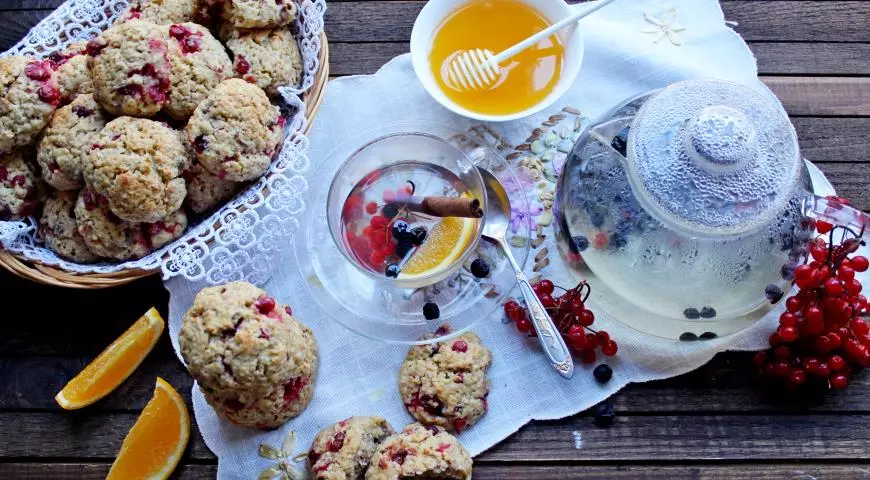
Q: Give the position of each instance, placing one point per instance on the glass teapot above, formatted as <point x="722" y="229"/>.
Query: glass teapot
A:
<point x="689" y="208"/>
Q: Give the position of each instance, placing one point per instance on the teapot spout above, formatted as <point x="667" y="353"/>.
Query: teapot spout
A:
<point x="837" y="213"/>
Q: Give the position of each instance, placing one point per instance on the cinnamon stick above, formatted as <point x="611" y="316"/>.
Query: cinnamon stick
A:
<point x="446" y="206"/>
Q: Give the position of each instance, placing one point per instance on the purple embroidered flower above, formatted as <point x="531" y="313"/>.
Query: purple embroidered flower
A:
<point x="558" y="163"/>
<point x="523" y="215"/>
<point x="522" y="183"/>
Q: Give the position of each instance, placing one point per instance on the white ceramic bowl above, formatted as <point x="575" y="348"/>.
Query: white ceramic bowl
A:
<point x="434" y="13"/>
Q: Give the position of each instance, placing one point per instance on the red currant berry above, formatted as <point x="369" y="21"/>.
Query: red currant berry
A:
<point x="803" y="271"/>
<point x="835" y="340"/>
<point x="859" y="263"/>
<point x="793" y="304"/>
<point x="836" y="363"/>
<point x="822" y="344"/>
<point x="781" y="368"/>
<point x="788" y="319"/>
<point x="609" y="348"/>
<point x="371" y="208"/>
<point x="782" y="352"/>
<point x="819" y="250"/>
<point x="588" y="356"/>
<point x="797" y="377"/>
<point x="811" y="365"/>
<point x="511" y="305"/>
<point x="546" y="286"/>
<point x="603" y="336"/>
<point x="845" y="273"/>
<point x="546" y="300"/>
<point x="860" y="326"/>
<point x="586" y="318"/>
<point x="834" y="287"/>
<point x="839" y="381"/>
<point x="823" y="227"/>
<point x="788" y="334"/>
<point x="823" y="370"/>
<point x="524" y="325"/>
<point x="591" y="340"/>
<point x="759" y="359"/>
<point x="853" y="286"/>
<point x="774" y="339"/>
<point x="813" y="314"/>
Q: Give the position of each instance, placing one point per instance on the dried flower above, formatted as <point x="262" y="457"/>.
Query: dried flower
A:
<point x="519" y="215"/>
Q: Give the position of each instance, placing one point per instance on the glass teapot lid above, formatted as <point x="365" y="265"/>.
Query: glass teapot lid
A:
<point x="713" y="158"/>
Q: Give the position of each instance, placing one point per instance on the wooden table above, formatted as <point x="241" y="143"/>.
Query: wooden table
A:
<point x="711" y="423"/>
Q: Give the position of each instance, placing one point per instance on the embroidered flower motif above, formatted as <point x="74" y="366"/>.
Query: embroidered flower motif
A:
<point x="664" y="26"/>
<point x="227" y="266"/>
<point x="522" y="183"/>
<point x="237" y="227"/>
<point x="185" y="259"/>
<point x="286" y="193"/>
<point x="520" y="215"/>
<point x="277" y="233"/>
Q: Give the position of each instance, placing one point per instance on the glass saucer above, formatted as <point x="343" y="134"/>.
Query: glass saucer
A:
<point x="387" y="312"/>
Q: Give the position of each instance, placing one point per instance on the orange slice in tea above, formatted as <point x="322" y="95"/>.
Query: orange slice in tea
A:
<point x="447" y="241"/>
<point x="153" y="447"/>
<point x="114" y="365"/>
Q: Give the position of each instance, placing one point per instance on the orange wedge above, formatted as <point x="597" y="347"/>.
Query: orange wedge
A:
<point x="114" y="365"/>
<point x="153" y="447"/>
<point x="444" y="244"/>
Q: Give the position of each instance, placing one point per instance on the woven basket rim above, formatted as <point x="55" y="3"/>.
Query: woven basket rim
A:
<point x="52" y="275"/>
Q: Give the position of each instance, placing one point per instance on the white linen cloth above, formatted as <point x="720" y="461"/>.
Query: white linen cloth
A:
<point x="631" y="47"/>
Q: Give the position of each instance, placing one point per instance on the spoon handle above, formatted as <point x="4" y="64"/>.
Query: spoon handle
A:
<point x="551" y="341"/>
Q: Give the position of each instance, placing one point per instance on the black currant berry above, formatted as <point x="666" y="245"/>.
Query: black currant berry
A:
<point x="708" y="312"/>
<point x="417" y="236"/>
<point x="400" y="230"/>
<point x="479" y="268"/>
<point x="604" y="415"/>
<point x="691" y="313"/>
<point x="392" y="270"/>
<point x="402" y="249"/>
<point x="431" y="311"/>
<point x="602" y="373"/>
<point x="390" y="210"/>
<point x="688" y="337"/>
<point x="773" y="293"/>
<point x="581" y="242"/>
<point x="708" y="336"/>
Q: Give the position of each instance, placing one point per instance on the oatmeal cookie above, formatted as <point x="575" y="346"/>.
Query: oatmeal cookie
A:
<point x="205" y="190"/>
<point x="259" y="13"/>
<point x="108" y="236"/>
<point x="420" y="452"/>
<point x="235" y="132"/>
<point x="198" y="63"/>
<point x="57" y="228"/>
<point x="19" y="187"/>
<point x="342" y="451"/>
<point x="268" y="58"/>
<point x="129" y="66"/>
<point x="136" y="163"/>
<point x="161" y="12"/>
<point x="71" y="71"/>
<point x="253" y="361"/>
<point x="67" y="142"/>
<point x="28" y="97"/>
<point x="445" y="383"/>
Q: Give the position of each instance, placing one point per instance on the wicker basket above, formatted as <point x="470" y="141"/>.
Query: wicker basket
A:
<point x="50" y="275"/>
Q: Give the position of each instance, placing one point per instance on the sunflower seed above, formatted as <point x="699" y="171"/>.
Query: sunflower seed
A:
<point x="541" y="254"/>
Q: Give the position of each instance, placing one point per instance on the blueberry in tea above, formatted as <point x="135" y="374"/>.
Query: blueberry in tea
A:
<point x="390" y="210"/>
<point x="417" y="236"/>
<point x="479" y="268"/>
<point x="402" y="249"/>
<point x="392" y="270"/>
<point x="431" y="311"/>
<point x="400" y="230"/>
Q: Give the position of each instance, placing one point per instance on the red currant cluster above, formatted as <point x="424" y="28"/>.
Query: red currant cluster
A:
<point x="377" y="243"/>
<point x="571" y="317"/>
<point x="821" y="335"/>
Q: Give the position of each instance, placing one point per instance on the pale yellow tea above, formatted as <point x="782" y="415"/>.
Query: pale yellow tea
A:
<point x="525" y="80"/>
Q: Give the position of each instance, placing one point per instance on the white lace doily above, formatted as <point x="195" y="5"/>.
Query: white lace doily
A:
<point x="238" y="240"/>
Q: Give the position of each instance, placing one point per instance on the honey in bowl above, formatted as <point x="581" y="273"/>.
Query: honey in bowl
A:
<point x="525" y="80"/>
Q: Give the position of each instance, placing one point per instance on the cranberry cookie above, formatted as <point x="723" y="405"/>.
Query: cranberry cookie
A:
<point x="67" y="142"/>
<point x="198" y="63"/>
<point x="129" y="66"/>
<point x="445" y="383"/>
<point x="255" y="364"/>
<point x="19" y="189"/>
<point x="108" y="236"/>
<point x="58" y="231"/>
<point x="259" y="13"/>
<point x="342" y="451"/>
<point x="420" y="452"/>
<point x="28" y="97"/>
<point x="268" y="58"/>
<point x="235" y="132"/>
<point x="205" y="190"/>
<point x="71" y="71"/>
<point x="136" y="164"/>
<point x="161" y="12"/>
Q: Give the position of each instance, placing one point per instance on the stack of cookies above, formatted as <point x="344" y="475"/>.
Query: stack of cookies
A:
<point x="254" y="362"/>
<point x="125" y="135"/>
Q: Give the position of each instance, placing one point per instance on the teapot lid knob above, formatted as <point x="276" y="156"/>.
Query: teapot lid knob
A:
<point x="721" y="139"/>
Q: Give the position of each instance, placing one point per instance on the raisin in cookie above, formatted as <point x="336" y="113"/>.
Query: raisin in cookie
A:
<point x="420" y="452"/>
<point x="445" y="383"/>
<point x="268" y="58"/>
<point x="161" y="12"/>
<point x="255" y="364"/>
<point x="205" y="190"/>
<point x="67" y="142"/>
<point x="129" y="66"/>
<point x="136" y="163"/>
<point x="71" y="71"/>
<point x="28" y="97"/>
<point x="109" y="236"/>
<point x="259" y="13"/>
<point x="198" y="63"/>
<point x="235" y="132"/>
<point x="342" y="451"/>
<point x="19" y="187"/>
<point x="57" y="228"/>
